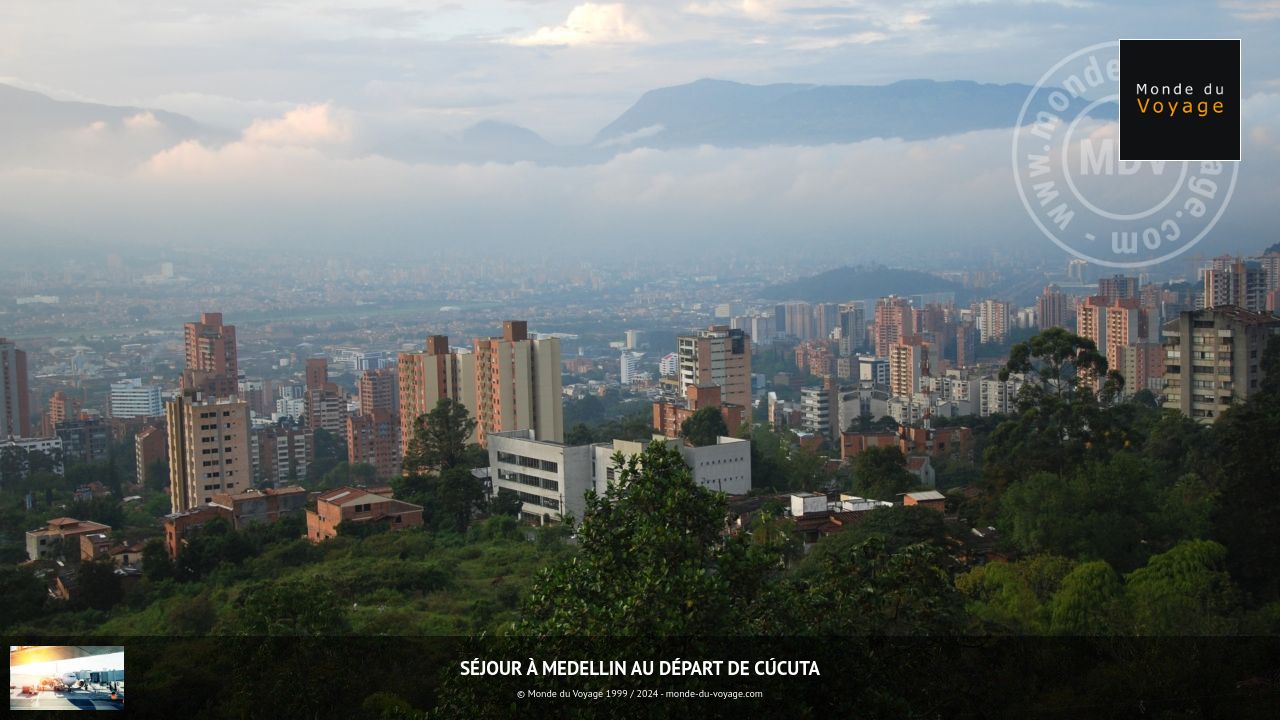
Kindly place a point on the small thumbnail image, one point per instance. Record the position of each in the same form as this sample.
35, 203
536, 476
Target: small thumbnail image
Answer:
66, 677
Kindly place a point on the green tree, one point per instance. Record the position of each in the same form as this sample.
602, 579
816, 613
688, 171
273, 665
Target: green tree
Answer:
1013, 597
881, 473
22, 595
704, 426
439, 438
289, 608
505, 502
653, 560
1246, 514
156, 563
99, 586
1185, 591
194, 615
1088, 601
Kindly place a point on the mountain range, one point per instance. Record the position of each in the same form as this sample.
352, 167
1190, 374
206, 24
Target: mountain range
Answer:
706, 112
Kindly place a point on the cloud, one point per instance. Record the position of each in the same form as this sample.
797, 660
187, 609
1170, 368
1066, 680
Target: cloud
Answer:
589, 24
307, 126
145, 120
628, 138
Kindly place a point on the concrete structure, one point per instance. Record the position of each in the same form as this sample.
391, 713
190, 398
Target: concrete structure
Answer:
209, 448
669, 414
50, 447
373, 438
1118, 287
357, 505
909, 362
254, 507
629, 367
922, 468
149, 446
966, 344
15, 397
1242, 283
1052, 308
212, 362
724, 467
425, 377
84, 440
47, 542
180, 526
379, 390
325, 407
518, 384
1212, 359
280, 453
893, 320
550, 478
931, 499
994, 325
853, 325
717, 356
61, 408
131, 399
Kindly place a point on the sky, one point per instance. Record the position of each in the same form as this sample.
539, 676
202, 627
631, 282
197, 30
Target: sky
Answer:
304, 88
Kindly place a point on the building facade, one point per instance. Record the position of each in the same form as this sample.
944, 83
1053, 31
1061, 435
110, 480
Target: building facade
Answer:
1213, 359
209, 448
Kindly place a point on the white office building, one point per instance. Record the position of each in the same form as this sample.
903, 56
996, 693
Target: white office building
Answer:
551, 478
130, 399
723, 467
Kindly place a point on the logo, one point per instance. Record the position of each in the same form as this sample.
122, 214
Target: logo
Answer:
1097, 207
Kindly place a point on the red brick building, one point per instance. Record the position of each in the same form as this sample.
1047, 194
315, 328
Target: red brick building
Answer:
357, 505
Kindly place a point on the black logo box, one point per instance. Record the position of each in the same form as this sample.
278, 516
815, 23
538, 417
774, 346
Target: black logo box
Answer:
1185, 65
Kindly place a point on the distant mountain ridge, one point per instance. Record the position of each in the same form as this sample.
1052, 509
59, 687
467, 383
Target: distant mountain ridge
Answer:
728, 114
858, 283
719, 113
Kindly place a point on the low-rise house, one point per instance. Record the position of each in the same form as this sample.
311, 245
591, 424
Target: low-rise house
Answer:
355, 505
48, 542
931, 499
922, 468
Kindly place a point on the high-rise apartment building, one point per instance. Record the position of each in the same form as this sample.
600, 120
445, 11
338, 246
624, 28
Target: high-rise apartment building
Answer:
1052, 309
325, 407
61, 408
717, 356
212, 365
209, 448
379, 390
825, 320
518, 384
510, 382
1213, 358
908, 363
149, 447
1242, 283
15, 397
795, 319
1091, 320
280, 455
853, 325
994, 318
373, 438
131, 399
966, 344
427, 376
1118, 287
893, 321
629, 367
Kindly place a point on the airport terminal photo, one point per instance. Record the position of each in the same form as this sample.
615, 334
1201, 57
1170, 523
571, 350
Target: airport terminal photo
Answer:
66, 677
